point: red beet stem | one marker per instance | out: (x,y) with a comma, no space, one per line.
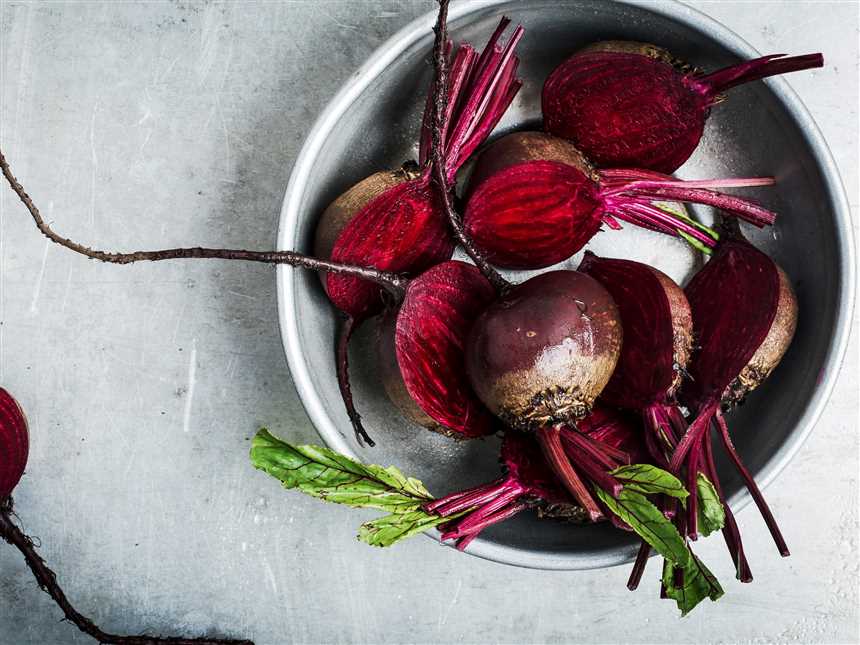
(649,191)
(752,487)
(619,176)
(731,534)
(649,216)
(474,497)
(549,439)
(692,487)
(639,566)
(342,359)
(585,461)
(490,89)
(692,437)
(495,518)
(717,82)
(479,519)
(607,456)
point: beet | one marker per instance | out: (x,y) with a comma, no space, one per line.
(744,317)
(393,220)
(14,444)
(539,356)
(633,104)
(534,200)
(421,347)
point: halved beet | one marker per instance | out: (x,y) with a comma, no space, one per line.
(633,104)
(14,444)
(393,220)
(744,317)
(422,345)
(534,200)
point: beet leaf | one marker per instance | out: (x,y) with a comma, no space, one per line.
(649,480)
(691,585)
(711,514)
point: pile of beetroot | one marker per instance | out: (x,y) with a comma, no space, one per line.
(609,383)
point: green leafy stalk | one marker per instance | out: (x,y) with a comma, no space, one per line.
(698,583)
(649,523)
(332,477)
(650,480)
(711,514)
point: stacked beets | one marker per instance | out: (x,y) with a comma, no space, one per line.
(466,353)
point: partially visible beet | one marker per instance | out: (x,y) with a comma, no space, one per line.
(540,355)
(744,317)
(393,220)
(421,348)
(14,444)
(534,200)
(634,104)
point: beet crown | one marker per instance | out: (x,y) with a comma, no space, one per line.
(633,104)
(14,444)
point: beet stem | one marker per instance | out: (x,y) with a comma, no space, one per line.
(692,436)
(731,534)
(693,489)
(47,580)
(753,70)
(752,487)
(595,449)
(639,566)
(595,471)
(481,518)
(440,92)
(679,192)
(394,283)
(549,439)
(342,359)
(475,497)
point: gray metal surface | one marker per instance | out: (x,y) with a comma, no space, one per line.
(150,124)
(760,130)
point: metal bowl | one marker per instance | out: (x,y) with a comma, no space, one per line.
(762,129)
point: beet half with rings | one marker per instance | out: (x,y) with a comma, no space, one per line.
(626,103)
(534,200)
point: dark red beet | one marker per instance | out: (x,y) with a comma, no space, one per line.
(634,104)
(422,350)
(744,317)
(534,200)
(539,356)
(14,444)
(393,220)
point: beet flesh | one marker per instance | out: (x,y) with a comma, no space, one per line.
(542,352)
(421,348)
(533,200)
(633,104)
(14,444)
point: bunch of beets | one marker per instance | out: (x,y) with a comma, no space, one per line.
(609,382)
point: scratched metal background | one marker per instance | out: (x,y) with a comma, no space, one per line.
(157,124)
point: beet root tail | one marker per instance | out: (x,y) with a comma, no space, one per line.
(342,360)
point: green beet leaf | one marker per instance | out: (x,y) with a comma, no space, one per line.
(711,516)
(387,530)
(333,477)
(650,480)
(649,523)
(698,583)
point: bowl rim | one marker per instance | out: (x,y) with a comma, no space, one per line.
(375,65)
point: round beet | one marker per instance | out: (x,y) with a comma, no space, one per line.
(542,353)
(533,200)
(14,444)
(629,104)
